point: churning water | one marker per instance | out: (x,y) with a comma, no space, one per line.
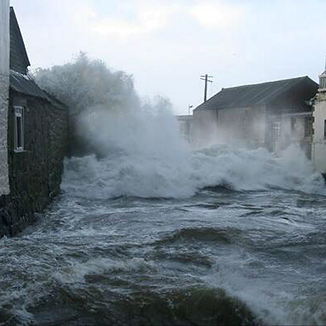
(152,233)
(236,238)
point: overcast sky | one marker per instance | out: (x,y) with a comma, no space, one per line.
(167,44)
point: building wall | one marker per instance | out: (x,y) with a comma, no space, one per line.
(4,94)
(319,140)
(204,127)
(237,126)
(254,127)
(185,124)
(286,129)
(243,126)
(35,173)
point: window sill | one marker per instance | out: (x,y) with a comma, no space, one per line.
(20,151)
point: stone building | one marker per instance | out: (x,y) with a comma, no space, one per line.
(4,95)
(33,133)
(319,126)
(271,115)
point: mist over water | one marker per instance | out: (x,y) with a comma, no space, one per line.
(148,231)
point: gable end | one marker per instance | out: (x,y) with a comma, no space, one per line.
(18,56)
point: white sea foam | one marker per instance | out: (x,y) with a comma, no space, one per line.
(183,175)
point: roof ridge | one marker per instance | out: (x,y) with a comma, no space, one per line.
(270,82)
(243,86)
(15,29)
(208,99)
(256,94)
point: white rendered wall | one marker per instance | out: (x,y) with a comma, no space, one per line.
(290,136)
(243,127)
(319,141)
(4,94)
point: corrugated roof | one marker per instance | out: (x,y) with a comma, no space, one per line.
(25,85)
(257,94)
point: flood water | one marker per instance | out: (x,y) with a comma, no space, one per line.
(221,256)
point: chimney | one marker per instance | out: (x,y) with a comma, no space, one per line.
(4,93)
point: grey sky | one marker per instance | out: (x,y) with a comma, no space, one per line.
(168,44)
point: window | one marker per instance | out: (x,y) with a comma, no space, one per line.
(19,128)
(293,123)
(322,82)
(307,127)
(325,129)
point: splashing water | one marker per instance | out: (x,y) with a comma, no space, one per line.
(141,151)
(183,175)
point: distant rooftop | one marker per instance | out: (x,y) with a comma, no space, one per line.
(257,94)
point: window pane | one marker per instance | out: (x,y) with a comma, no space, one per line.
(19,128)
(307,127)
(19,132)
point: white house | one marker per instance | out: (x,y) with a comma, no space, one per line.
(319,126)
(4,94)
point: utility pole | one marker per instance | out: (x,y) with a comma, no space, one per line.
(206,78)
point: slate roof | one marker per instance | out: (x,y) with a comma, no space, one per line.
(18,55)
(257,94)
(26,85)
(56,102)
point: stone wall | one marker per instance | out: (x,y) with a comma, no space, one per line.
(34,174)
(4,94)
(4,37)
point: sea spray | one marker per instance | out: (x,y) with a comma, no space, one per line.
(138,150)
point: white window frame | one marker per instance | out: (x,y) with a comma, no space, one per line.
(19,143)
